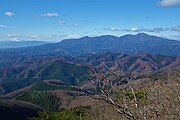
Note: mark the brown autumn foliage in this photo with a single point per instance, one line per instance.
(144, 99)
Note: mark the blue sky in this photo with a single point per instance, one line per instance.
(54, 20)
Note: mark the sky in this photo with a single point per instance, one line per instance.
(55, 20)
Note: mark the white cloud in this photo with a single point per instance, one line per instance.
(177, 28)
(72, 36)
(156, 30)
(9, 14)
(75, 25)
(168, 3)
(61, 22)
(50, 14)
(112, 29)
(13, 35)
(135, 30)
(57, 37)
(5, 26)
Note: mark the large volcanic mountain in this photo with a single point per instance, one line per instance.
(129, 44)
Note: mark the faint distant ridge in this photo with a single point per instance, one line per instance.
(128, 44)
(18, 44)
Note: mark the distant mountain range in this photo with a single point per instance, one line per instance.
(17, 44)
(128, 44)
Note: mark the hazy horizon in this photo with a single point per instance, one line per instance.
(56, 41)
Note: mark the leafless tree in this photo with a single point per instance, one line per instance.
(157, 103)
(107, 79)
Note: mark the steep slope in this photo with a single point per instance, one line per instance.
(17, 110)
(138, 64)
(69, 73)
(46, 100)
(19, 77)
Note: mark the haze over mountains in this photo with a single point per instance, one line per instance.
(18, 44)
(128, 44)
